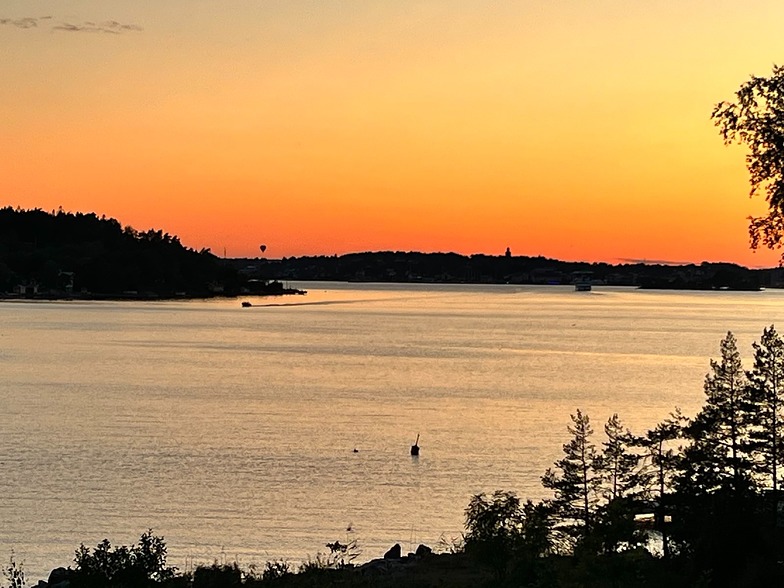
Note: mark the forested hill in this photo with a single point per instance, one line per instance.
(82, 255)
(398, 266)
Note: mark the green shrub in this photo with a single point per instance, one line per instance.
(127, 567)
(218, 576)
(14, 573)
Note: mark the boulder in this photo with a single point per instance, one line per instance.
(423, 551)
(395, 552)
(58, 575)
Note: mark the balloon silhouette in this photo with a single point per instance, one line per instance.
(263, 248)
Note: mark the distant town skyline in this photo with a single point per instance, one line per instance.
(570, 130)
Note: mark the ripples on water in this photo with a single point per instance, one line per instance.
(230, 430)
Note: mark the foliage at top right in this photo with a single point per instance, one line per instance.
(756, 119)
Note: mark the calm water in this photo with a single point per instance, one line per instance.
(230, 430)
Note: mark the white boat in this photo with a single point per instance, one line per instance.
(582, 281)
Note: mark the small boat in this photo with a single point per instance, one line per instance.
(581, 281)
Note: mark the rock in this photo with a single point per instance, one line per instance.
(395, 552)
(59, 577)
(423, 551)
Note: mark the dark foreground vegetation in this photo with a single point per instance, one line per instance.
(74, 255)
(691, 502)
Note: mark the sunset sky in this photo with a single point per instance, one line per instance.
(574, 129)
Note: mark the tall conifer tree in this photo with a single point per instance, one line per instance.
(767, 387)
(721, 449)
(576, 482)
(622, 487)
(663, 458)
(618, 464)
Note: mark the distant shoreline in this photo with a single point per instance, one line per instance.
(155, 297)
(451, 268)
(271, 289)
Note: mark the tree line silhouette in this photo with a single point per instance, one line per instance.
(413, 266)
(62, 253)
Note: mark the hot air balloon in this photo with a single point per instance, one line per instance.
(263, 248)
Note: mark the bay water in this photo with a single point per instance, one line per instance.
(231, 431)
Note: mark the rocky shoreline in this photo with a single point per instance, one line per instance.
(422, 567)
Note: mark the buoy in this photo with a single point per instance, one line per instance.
(415, 447)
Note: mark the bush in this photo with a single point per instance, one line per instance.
(501, 533)
(275, 569)
(128, 567)
(14, 573)
(218, 576)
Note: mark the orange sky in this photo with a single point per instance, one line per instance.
(574, 130)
